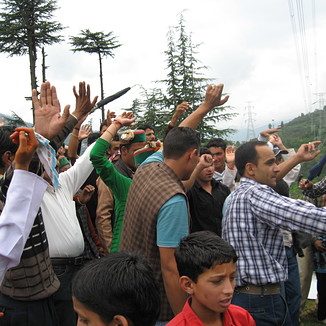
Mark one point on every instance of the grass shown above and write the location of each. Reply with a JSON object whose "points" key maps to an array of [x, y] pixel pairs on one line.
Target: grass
{"points": [[309, 315]]}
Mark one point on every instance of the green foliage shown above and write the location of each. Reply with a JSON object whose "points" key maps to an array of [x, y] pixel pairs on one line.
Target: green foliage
{"points": [[15, 120], [25, 27], [304, 129], [95, 42], [184, 82], [26, 23]]}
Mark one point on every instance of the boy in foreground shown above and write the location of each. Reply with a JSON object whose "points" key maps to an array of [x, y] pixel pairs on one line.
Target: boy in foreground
{"points": [[118, 289], [207, 268]]}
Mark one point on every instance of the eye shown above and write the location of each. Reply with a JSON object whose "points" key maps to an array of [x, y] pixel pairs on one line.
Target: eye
{"points": [[82, 320]]}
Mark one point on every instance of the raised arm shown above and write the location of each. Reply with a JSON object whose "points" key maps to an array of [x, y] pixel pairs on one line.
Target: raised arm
{"points": [[179, 111], [213, 98], [48, 120], [306, 152], [83, 107]]}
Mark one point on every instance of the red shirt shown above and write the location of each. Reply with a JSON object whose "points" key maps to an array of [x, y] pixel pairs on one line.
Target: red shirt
{"points": [[234, 316]]}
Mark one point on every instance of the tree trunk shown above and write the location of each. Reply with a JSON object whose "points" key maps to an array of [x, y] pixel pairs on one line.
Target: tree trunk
{"points": [[43, 66], [101, 81], [32, 65]]}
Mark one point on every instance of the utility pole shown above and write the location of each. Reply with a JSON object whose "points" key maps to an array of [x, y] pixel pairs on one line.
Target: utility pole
{"points": [[249, 113]]}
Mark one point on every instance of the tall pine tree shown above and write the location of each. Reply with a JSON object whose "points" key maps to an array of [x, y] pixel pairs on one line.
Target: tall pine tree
{"points": [[185, 81]]}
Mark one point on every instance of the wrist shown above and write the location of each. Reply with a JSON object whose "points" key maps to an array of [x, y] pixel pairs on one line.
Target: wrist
{"points": [[117, 123], [80, 202]]}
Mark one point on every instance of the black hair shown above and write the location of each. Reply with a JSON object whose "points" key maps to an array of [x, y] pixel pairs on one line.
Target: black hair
{"points": [[247, 153], [5, 142], [144, 127], [200, 251], [104, 123], [204, 150], [119, 284], [115, 138], [179, 140], [93, 137], [217, 142]]}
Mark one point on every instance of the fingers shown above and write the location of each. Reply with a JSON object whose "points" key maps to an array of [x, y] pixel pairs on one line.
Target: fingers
{"points": [[224, 100], [94, 101], [25, 135], [66, 112], [35, 101], [75, 92]]}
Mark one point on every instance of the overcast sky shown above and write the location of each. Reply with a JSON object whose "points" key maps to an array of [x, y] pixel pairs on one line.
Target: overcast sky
{"points": [[247, 45]]}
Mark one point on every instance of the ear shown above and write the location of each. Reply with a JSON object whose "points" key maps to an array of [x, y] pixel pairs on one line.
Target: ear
{"points": [[251, 169], [7, 158], [186, 284], [119, 320], [123, 150], [193, 153]]}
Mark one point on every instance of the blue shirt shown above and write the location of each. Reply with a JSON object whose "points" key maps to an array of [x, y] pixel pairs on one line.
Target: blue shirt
{"points": [[252, 222], [172, 222]]}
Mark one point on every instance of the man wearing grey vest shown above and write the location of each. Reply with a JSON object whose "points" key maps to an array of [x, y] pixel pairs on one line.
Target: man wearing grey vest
{"points": [[156, 215]]}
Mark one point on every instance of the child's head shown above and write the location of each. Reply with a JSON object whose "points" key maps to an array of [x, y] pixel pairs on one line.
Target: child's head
{"points": [[206, 265], [119, 289]]}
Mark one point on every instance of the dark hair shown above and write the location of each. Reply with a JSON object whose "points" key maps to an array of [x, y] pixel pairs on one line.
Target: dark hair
{"points": [[179, 140], [104, 123], [144, 127], [200, 251], [93, 137], [247, 153], [217, 142], [5, 142], [204, 150], [119, 284]]}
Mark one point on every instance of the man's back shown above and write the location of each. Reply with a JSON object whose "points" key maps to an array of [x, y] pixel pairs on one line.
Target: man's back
{"points": [[153, 185]]}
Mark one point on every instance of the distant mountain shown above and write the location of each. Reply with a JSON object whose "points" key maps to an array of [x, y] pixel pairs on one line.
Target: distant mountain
{"points": [[303, 129]]}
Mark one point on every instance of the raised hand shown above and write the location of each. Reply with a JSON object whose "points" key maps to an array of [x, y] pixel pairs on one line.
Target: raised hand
{"points": [[214, 95], [268, 132], [83, 102], [27, 147], [205, 161], [308, 152], [84, 132], [109, 117], [48, 120], [125, 119], [3, 122], [230, 156]]}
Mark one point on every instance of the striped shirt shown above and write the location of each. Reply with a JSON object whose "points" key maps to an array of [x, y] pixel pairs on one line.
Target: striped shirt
{"points": [[252, 223]]}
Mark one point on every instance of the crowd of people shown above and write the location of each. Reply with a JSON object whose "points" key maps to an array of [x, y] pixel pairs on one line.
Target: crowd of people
{"points": [[139, 231]]}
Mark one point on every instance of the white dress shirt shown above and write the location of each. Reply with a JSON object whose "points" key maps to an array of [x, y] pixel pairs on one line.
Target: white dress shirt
{"points": [[23, 200]]}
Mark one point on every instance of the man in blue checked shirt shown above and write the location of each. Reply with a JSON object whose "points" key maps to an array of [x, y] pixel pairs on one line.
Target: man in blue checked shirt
{"points": [[252, 225]]}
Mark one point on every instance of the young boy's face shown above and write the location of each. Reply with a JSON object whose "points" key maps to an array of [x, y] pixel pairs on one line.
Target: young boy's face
{"points": [[86, 316], [213, 291]]}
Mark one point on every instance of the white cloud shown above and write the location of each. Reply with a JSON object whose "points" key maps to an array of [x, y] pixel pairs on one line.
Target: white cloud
{"points": [[248, 45]]}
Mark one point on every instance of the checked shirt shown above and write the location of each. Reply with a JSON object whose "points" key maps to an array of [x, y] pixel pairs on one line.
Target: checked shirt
{"points": [[252, 225]]}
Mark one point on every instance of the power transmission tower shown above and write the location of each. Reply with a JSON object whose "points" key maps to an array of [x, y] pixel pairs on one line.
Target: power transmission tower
{"points": [[249, 113], [320, 106]]}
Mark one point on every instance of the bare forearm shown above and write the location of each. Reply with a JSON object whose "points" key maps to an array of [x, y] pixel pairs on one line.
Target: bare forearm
{"points": [[194, 119], [176, 296]]}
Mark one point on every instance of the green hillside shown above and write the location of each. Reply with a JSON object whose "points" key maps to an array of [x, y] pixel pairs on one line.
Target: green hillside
{"points": [[304, 129]]}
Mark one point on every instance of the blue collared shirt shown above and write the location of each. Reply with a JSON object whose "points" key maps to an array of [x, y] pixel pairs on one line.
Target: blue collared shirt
{"points": [[252, 223]]}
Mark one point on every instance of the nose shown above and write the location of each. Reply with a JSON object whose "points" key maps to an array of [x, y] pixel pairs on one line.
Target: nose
{"points": [[276, 168], [228, 286]]}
